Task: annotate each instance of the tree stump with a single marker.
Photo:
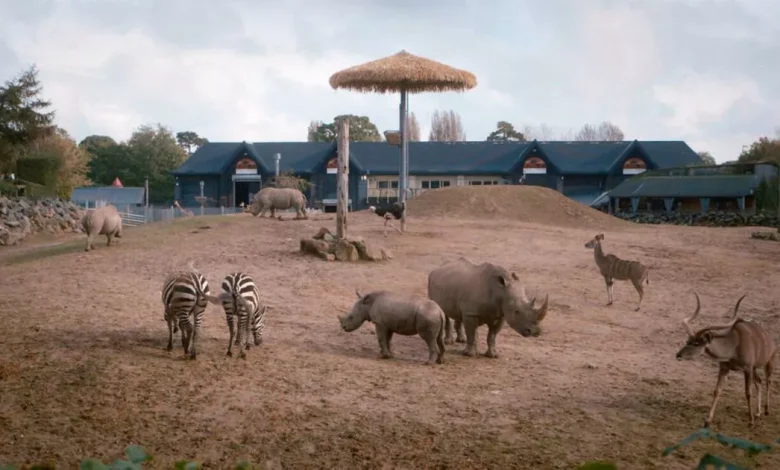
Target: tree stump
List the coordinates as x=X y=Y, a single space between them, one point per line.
x=329 y=248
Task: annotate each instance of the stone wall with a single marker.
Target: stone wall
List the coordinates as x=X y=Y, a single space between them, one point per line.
x=707 y=219
x=22 y=217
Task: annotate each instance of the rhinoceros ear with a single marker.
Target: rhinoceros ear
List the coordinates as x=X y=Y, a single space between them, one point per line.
x=357 y=292
x=514 y=276
x=502 y=281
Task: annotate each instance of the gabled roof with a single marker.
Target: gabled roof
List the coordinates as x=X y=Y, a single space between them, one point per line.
x=439 y=157
x=583 y=157
x=686 y=186
x=474 y=158
x=110 y=194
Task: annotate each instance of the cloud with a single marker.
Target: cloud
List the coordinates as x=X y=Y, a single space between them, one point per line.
x=259 y=71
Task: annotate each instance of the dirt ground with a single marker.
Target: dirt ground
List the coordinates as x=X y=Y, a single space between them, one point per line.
x=83 y=370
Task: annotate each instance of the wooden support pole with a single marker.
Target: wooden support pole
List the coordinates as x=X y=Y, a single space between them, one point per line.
x=342 y=178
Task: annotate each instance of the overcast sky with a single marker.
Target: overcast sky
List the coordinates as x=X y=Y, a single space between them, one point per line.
x=707 y=72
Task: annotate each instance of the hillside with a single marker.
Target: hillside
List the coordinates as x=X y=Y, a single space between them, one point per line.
x=521 y=203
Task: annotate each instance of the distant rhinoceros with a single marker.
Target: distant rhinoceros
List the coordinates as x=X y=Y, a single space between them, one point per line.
x=403 y=314
x=272 y=198
x=102 y=221
x=476 y=295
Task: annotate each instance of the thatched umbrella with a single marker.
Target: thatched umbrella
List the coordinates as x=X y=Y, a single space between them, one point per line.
x=406 y=73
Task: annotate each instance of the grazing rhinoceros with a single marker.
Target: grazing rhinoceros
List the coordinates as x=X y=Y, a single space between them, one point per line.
x=102 y=221
x=278 y=198
x=475 y=295
x=403 y=314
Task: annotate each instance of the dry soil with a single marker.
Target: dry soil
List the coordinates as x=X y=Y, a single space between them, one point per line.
x=83 y=370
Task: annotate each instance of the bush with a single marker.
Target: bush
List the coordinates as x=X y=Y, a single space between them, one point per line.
x=289 y=180
x=136 y=456
x=41 y=169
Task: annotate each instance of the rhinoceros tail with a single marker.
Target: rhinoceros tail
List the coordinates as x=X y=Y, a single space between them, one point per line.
x=440 y=338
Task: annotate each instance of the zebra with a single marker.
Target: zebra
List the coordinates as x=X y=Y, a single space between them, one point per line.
x=185 y=294
x=240 y=297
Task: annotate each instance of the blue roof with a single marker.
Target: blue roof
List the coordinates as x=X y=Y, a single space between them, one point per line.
x=110 y=194
x=686 y=186
x=474 y=158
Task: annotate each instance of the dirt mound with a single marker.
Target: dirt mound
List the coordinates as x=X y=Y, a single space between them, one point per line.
x=523 y=203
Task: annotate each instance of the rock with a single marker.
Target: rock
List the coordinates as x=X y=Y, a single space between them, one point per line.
x=21 y=217
x=345 y=251
x=326 y=246
x=707 y=219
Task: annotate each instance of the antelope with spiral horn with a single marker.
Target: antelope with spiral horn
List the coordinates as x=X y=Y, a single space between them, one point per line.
x=739 y=345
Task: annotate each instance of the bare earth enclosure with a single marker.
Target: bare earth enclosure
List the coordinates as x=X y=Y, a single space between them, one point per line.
x=83 y=370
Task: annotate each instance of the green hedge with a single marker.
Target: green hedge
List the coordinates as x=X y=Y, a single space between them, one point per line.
x=40 y=169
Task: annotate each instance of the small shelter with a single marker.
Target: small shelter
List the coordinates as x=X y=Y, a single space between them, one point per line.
x=405 y=73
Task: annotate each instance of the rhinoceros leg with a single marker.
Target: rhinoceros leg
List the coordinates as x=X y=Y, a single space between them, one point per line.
x=448 y=330
x=493 y=329
x=429 y=335
x=89 y=242
x=383 y=335
x=108 y=239
x=470 y=323
x=459 y=332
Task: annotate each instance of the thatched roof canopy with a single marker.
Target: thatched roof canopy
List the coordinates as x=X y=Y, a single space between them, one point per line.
x=403 y=71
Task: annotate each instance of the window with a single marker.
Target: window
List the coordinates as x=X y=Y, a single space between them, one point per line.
x=475 y=183
x=387 y=184
x=434 y=184
x=485 y=183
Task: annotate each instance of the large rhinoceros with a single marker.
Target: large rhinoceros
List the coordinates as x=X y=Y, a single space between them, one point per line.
x=402 y=314
x=272 y=198
x=475 y=295
x=102 y=221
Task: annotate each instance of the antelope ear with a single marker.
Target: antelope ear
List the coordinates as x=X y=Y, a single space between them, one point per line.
x=357 y=292
x=600 y=236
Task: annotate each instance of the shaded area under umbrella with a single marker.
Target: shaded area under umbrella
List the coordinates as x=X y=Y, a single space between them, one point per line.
x=405 y=73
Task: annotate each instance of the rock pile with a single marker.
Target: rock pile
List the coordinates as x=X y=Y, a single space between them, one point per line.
x=328 y=247
x=707 y=219
x=22 y=217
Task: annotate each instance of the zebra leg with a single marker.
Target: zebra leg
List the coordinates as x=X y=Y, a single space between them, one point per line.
x=241 y=332
x=186 y=333
x=229 y=319
x=249 y=326
x=170 y=334
x=257 y=329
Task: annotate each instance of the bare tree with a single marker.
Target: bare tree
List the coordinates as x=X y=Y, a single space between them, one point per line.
x=610 y=132
x=446 y=126
x=543 y=132
x=413 y=127
x=587 y=133
x=606 y=131
x=314 y=127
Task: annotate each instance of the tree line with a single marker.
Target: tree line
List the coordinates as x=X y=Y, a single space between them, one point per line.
x=38 y=152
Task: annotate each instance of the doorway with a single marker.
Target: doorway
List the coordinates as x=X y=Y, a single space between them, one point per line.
x=245 y=190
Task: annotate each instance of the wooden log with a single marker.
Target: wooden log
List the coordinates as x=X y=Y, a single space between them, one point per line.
x=342 y=179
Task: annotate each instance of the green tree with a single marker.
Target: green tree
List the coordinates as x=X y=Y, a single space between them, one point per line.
x=707 y=158
x=189 y=141
x=94 y=143
x=72 y=160
x=763 y=149
x=505 y=132
x=361 y=129
x=156 y=152
x=115 y=161
x=23 y=118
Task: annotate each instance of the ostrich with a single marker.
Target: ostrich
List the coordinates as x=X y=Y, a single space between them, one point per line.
x=396 y=211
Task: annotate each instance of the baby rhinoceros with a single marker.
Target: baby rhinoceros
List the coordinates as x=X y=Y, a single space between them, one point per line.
x=403 y=314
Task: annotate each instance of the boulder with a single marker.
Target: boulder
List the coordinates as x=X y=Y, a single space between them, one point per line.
x=326 y=246
x=22 y=217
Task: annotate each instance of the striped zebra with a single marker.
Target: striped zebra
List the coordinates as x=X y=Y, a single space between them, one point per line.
x=612 y=267
x=185 y=294
x=240 y=298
